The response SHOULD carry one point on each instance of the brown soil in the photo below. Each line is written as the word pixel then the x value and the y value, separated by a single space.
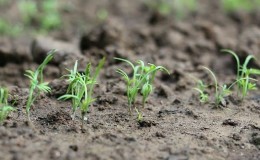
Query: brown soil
pixel 176 126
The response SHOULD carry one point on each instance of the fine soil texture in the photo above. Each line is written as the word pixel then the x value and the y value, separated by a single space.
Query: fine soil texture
pixel 175 126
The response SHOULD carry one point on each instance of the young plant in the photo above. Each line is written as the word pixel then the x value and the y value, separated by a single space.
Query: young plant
pixel 142 79
pixel 80 89
pixel 8 29
pixel 163 7
pixel 73 89
pixel 201 88
pixel 50 18
pixel 184 7
pixel 45 15
pixel 146 91
pixel 180 8
pixel 5 108
pixel 51 21
pixel 245 82
pixel 139 115
pixel 102 14
pixel 37 85
pixel 220 91
pixel 240 5
pixel 28 10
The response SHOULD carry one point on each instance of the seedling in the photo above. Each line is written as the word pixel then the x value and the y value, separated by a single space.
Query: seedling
pixel 184 7
pixel 37 85
pixel 28 10
pixel 142 79
pixel 8 29
pixel 5 108
pixel 51 18
pixel 45 15
pixel 73 89
pixel 146 91
pixel 240 5
pixel 245 82
pixel 102 14
pixel 201 88
pixel 180 8
pixel 51 21
pixel 164 7
pixel 139 115
pixel 80 89
pixel 220 91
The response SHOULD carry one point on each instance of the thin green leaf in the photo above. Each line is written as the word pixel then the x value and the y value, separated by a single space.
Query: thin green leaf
pixel 124 60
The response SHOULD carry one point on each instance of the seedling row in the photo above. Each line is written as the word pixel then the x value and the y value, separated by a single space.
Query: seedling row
pixel 140 82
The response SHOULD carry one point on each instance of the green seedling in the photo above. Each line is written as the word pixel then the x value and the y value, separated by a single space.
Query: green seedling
pixel 5 108
pixel 51 21
pixel 5 111
pixel 49 6
pixel 245 82
pixel 45 15
pixel 142 79
pixel 73 89
pixel 201 88
pixel 240 5
pixel 180 8
pixel 50 18
pixel 28 10
pixel 80 89
pixel 3 96
pixel 184 7
pixel 37 85
pixel 146 91
pixel 164 7
pixel 8 29
pixel 221 91
pixel 102 14
pixel 139 115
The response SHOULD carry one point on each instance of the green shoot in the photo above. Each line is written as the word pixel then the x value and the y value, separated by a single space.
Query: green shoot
pixel 142 79
pixel 37 85
pixel 220 91
pixel 80 89
pixel 28 10
pixel 245 83
pixel 3 96
pixel 180 8
pixel 45 15
pixel 73 89
pixel 203 96
pixel 7 28
pixel 51 21
pixel 102 14
pixel 240 5
pixel 5 109
pixel 201 88
pixel 139 115
pixel 163 7
pixel 51 18
pixel 184 7
pixel 146 91
pixel 201 85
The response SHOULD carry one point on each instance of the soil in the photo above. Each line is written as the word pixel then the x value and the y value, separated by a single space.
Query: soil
pixel 176 125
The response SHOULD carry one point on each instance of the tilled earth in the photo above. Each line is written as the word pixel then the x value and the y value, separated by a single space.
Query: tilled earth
pixel 176 125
